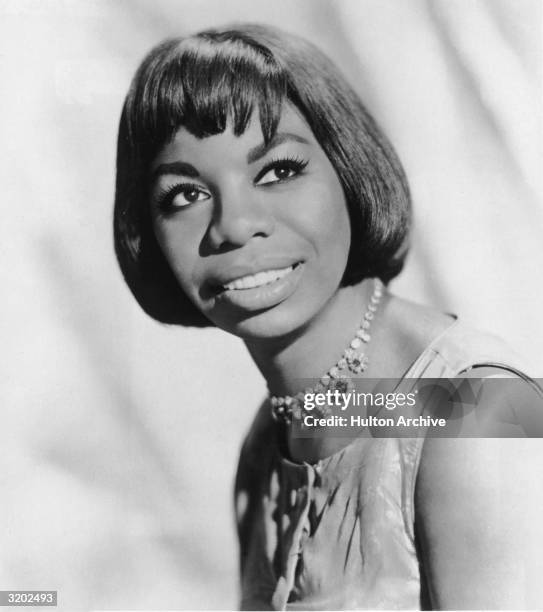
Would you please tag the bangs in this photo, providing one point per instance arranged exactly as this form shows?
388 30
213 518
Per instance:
202 84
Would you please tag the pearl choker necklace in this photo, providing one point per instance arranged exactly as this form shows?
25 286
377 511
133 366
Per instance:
353 359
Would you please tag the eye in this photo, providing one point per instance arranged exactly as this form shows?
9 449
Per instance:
280 170
180 196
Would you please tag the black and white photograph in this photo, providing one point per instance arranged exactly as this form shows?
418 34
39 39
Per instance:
272 315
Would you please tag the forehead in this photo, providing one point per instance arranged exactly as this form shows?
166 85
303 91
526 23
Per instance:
292 127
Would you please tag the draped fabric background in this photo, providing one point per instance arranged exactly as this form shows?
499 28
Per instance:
119 437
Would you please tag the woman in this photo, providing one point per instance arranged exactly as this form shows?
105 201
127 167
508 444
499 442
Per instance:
255 193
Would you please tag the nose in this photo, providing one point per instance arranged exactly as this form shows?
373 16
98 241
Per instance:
238 217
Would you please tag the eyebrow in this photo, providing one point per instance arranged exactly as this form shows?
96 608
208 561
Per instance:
181 168
260 150
177 167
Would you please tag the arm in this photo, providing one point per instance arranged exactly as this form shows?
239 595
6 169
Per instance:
479 521
252 510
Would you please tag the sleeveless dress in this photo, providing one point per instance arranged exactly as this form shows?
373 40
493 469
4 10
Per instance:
339 534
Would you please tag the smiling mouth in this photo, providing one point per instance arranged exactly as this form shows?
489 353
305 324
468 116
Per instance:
260 279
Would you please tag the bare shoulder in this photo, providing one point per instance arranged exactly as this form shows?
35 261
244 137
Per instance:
416 323
457 469
478 505
405 329
259 441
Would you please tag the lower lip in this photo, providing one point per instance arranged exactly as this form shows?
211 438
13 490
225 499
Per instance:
264 296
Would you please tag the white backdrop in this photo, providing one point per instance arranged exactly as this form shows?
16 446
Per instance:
119 437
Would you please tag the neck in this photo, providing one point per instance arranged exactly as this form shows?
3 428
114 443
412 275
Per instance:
310 351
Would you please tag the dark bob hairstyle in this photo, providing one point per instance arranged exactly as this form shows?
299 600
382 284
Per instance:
203 81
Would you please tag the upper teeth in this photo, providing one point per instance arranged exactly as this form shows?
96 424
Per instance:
256 280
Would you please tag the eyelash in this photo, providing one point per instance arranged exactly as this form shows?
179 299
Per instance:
166 197
296 164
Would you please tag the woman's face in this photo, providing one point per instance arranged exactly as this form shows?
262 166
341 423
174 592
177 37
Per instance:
257 236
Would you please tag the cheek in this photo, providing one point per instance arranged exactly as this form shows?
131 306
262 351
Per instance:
324 220
337 225
180 248
335 240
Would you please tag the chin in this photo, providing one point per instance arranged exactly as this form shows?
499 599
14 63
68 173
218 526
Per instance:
260 329
279 322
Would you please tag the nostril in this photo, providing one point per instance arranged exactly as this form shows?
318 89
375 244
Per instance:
238 216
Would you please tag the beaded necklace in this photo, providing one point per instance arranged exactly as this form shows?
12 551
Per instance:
286 408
